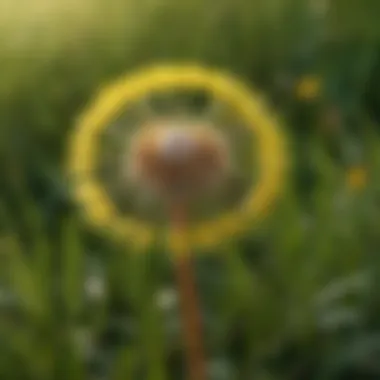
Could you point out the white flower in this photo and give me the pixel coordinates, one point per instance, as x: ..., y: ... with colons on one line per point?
x: 94, y: 287
x: 167, y: 299
x: 176, y: 143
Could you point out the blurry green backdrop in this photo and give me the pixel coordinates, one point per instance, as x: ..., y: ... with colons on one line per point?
x: 297, y: 299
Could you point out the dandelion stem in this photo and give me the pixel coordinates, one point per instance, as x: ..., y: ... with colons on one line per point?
x: 190, y: 311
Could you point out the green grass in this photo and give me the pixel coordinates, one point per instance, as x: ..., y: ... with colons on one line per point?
x: 294, y: 299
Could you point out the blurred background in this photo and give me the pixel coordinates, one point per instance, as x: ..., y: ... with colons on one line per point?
x: 298, y: 298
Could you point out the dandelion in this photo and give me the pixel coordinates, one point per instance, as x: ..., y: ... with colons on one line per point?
x: 84, y: 151
x: 357, y: 178
x: 308, y: 88
x: 179, y: 160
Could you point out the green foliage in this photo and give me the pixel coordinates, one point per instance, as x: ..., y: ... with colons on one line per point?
x: 296, y: 299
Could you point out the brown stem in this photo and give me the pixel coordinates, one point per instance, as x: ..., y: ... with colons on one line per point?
x: 190, y: 313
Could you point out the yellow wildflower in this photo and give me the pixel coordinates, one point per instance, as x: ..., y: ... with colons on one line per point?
x: 357, y: 178
x: 308, y: 88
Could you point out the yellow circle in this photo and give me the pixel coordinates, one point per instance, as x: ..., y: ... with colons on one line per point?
x: 112, y: 100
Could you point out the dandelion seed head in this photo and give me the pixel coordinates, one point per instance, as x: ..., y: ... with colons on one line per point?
x: 179, y: 159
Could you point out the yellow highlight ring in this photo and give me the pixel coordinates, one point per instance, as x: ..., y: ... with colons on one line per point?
x: 99, y: 208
